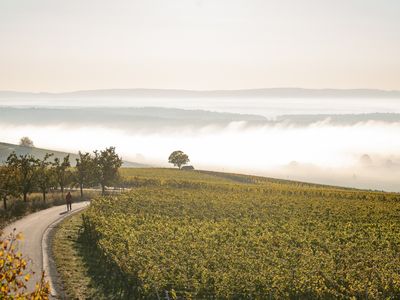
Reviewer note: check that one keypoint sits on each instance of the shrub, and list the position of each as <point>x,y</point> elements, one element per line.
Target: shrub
<point>14,272</point>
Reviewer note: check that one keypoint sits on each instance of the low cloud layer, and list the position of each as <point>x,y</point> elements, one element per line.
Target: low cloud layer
<point>364,154</point>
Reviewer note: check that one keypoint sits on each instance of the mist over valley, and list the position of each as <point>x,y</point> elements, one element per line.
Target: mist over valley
<point>292,138</point>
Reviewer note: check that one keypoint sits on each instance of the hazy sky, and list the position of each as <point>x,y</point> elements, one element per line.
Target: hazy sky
<point>54,45</point>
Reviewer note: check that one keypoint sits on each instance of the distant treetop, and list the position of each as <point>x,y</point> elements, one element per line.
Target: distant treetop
<point>26,142</point>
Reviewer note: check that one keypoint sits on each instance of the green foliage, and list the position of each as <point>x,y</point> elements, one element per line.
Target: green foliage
<point>225,236</point>
<point>178,158</point>
<point>24,174</point>
<point>8,184</point>
<point>25,168</point>
<point>107,165</point>
<point>61,170</point>
<point>45,176</point>
<point>85,171</point>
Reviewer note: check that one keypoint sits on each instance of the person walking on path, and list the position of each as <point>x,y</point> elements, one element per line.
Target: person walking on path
<point>68,198</point>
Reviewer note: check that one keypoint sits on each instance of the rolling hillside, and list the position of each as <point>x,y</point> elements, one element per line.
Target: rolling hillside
<point>6,149</point>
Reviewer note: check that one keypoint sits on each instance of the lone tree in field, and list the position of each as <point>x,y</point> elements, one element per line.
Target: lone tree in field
<point>26,142</point>
<point>107,164</point>
<point>178,158</point>
<point>25,169</point>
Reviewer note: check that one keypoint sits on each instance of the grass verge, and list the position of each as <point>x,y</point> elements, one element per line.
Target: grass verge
<point>81,274</point>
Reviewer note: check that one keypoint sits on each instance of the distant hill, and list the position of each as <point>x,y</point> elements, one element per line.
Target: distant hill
<point>337,119</point>
<point>6,149</point>
<point>252,93</point>
<point>129,117</point>
<point>150,119</point>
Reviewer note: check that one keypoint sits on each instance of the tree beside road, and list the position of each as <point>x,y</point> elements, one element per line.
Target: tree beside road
<point>62,173</point>
<point>25,169</point>
<point>45,176</point>
<point>85,171</point>
<point>107,164</point>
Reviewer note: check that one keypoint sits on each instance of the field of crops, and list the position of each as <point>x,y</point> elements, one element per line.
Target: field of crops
<point>234,236</point>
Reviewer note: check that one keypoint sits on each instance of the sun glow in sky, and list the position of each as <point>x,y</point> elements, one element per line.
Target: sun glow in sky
<point>53,45</point>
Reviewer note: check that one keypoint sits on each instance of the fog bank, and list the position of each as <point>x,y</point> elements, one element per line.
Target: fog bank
<point>364,154</point>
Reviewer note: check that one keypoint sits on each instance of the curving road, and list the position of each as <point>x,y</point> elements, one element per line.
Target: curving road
<point>35,228</point>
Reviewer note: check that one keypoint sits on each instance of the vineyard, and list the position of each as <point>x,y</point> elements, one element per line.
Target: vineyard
<point>189,234</point>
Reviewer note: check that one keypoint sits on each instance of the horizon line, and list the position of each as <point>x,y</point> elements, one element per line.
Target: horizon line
<point>204,90</point>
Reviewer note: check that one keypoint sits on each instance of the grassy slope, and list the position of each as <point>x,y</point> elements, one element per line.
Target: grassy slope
<point>6,149</point>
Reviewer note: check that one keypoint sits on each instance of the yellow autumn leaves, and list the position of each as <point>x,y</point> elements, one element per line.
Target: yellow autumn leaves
<point>14,273</point>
